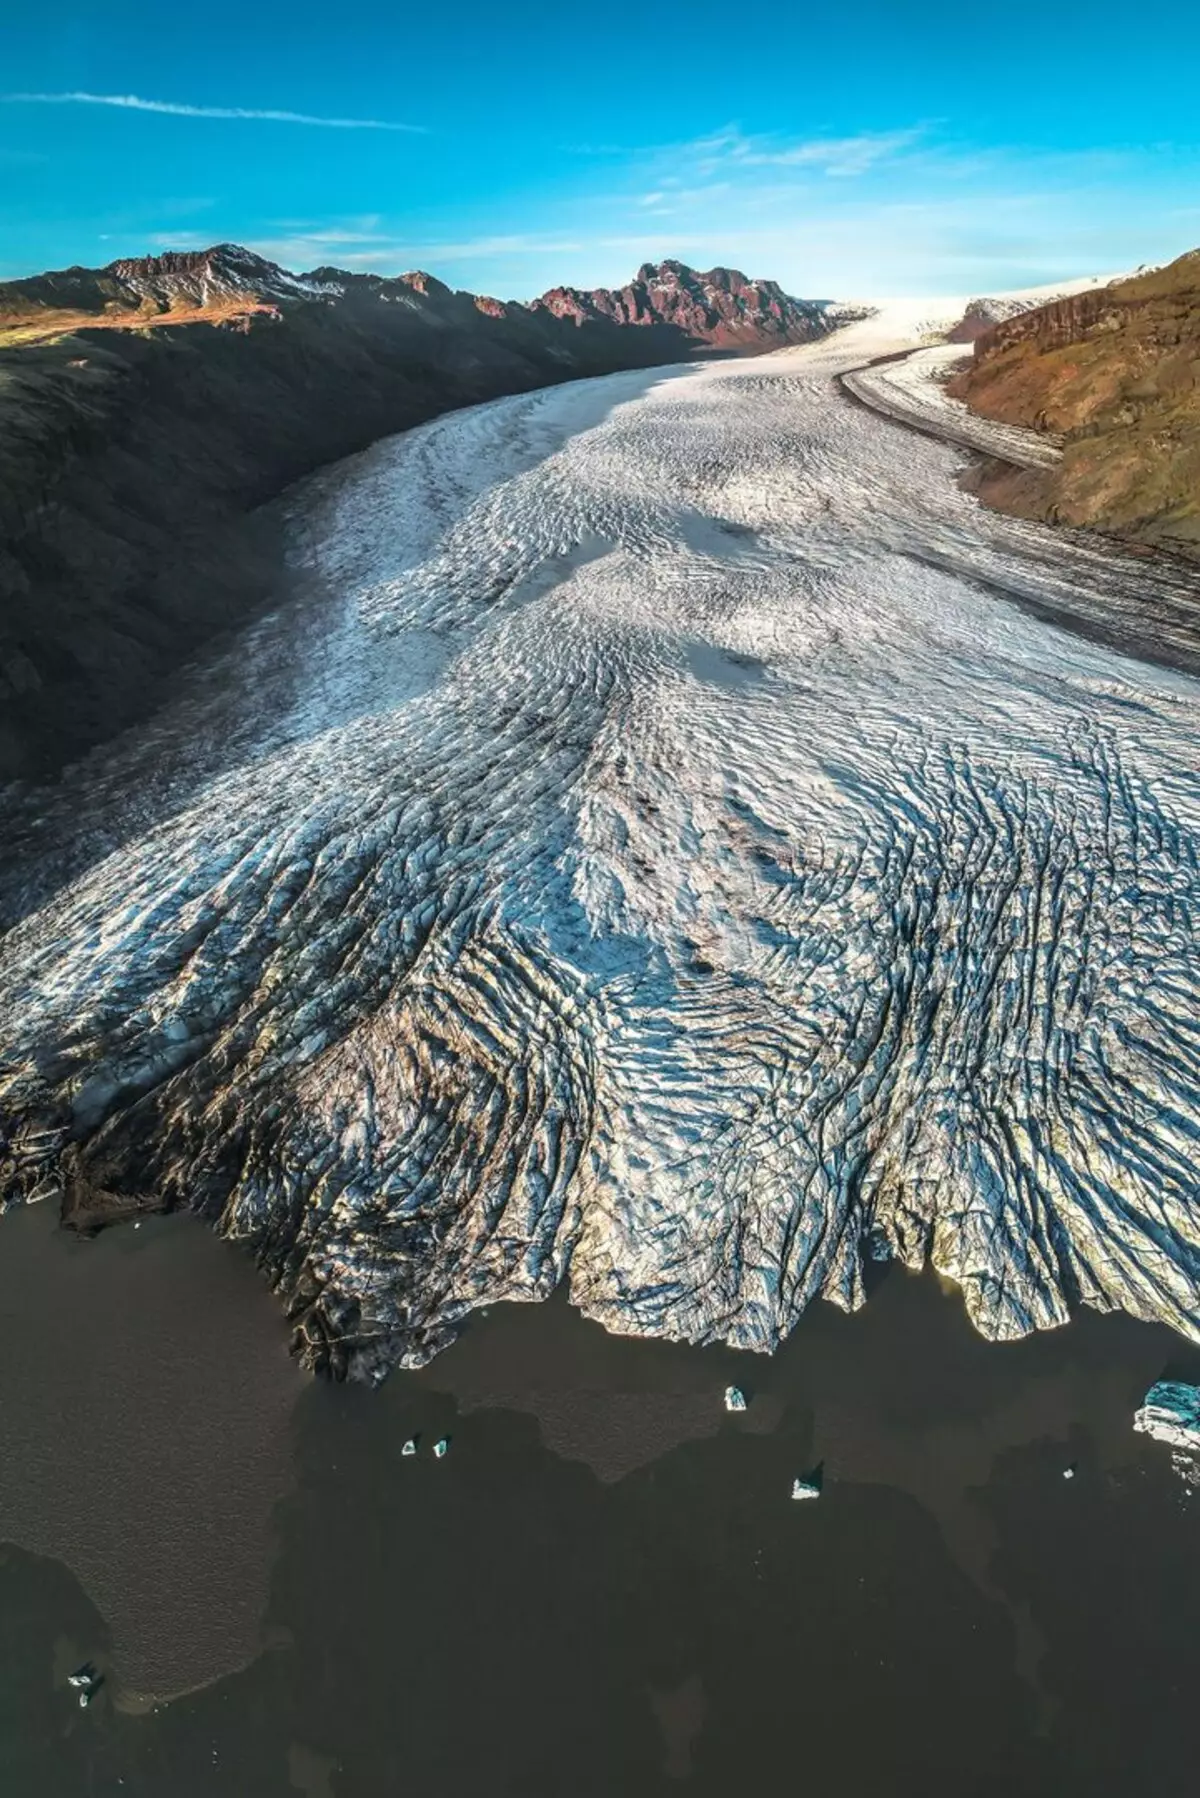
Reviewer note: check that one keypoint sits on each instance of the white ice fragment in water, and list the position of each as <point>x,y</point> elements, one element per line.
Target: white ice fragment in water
<point>1068,1473</point>
<point>805,1489</point>
<point>441,1447</point>
<point>735,1398</point>
<point>1188,1469</point>
<point>1171,1413</point>
<point>410,1447</point>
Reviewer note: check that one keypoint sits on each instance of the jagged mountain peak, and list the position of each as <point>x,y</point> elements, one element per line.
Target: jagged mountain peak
<point>218,279</point>
<point>670,269</point>
<point>720,306</point>
<point>220,257</point>
<point>197,276</point>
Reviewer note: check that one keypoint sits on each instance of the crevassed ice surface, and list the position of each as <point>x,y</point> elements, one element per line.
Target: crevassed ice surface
<point>671,860</point>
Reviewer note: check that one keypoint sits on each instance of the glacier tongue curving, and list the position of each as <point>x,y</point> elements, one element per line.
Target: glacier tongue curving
<point>671,863</point>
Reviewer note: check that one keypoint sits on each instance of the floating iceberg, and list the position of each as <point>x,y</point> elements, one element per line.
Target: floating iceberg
<point>410,1447</point>
<point>735,1398</point>
<point>805,1489</point>
<point>87,1682</point>
<point>1171,1412</point>
<point>441,1447</point>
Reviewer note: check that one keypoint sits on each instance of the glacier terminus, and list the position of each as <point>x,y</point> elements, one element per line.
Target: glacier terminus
<point>686,847</point>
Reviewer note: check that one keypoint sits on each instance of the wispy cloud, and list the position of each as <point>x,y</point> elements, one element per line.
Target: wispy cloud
<point>730,148</point>
<point>829,155</point>
<point>384,254</point>
<point>269,115</point>
<point>293,249</point>
<point>563,257</point>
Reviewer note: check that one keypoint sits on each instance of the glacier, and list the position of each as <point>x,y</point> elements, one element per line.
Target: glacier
<point>674,843</point>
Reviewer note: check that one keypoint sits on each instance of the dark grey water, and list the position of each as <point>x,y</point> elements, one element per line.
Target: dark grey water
<point>605,1588</point>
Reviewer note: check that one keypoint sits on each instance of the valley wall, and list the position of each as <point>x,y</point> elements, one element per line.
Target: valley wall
<point>1114,372</point>
<point>149,410</point>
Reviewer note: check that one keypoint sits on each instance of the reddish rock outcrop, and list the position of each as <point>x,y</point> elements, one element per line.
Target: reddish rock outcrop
<point>719,306</point>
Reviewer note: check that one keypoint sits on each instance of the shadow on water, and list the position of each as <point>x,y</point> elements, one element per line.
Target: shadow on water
<point>146,1409</point>
<point>604,1587</point>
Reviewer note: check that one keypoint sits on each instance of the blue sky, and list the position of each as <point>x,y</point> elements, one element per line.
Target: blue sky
<point>877,149</point>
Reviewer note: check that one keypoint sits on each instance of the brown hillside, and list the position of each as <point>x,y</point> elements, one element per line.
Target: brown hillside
<point>1116,372</point>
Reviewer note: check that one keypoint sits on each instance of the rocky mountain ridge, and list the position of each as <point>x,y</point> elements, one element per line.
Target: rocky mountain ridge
<point>987,312</point>
<point>177,280</point>
<point>719,307</point>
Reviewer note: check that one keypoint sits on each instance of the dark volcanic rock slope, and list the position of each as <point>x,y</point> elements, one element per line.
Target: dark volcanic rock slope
<point>148,407</point>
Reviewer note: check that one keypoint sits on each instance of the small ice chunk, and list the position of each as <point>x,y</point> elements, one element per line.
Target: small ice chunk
<point>1188,1469</point>
<point>1171,1413</point>
<point>410,1447</point>
<point>735,1398</point>
<point>805,1489</point>
<point>83,1676</point>
<point>441,1446</point>
<point>1069,1472</point>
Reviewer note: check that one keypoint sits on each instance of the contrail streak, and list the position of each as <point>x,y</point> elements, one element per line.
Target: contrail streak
<point>133,103</point>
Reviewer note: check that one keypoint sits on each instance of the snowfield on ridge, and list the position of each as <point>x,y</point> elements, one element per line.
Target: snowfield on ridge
<point>683,850</point>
